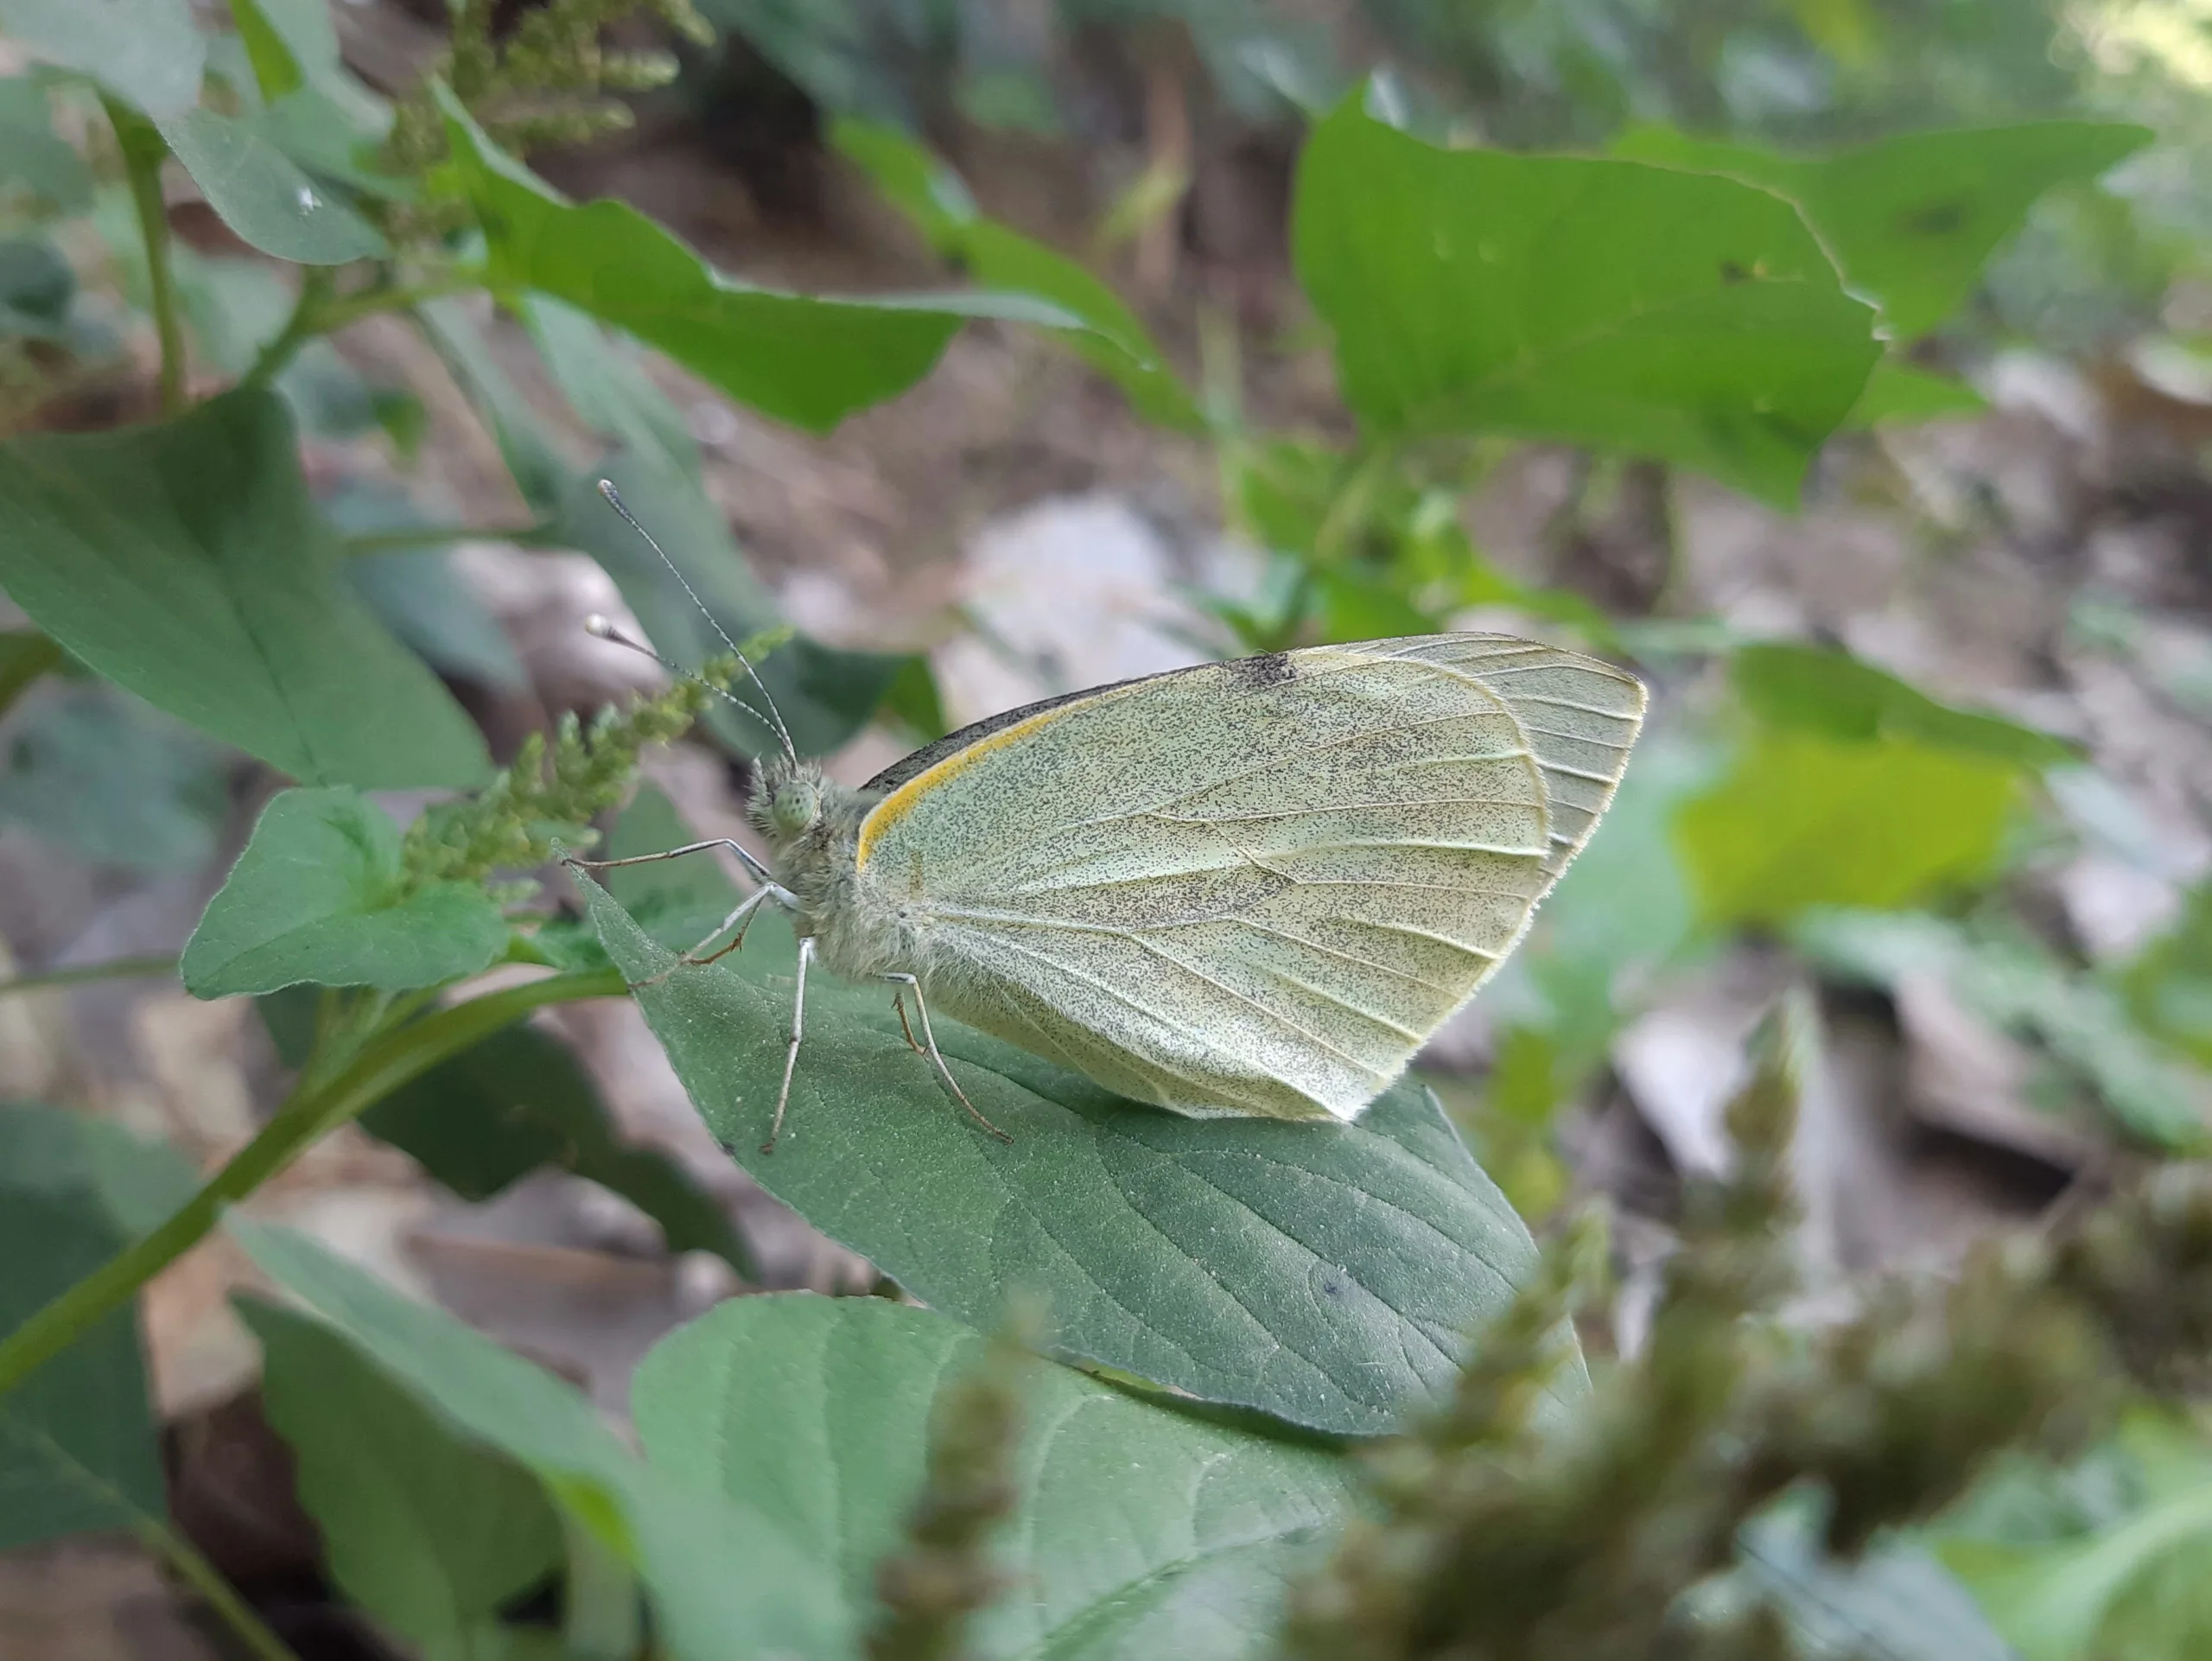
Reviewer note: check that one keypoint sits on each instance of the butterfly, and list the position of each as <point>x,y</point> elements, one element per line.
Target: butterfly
<point>1246,888</point>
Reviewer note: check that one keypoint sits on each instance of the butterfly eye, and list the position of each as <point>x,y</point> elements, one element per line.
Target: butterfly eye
<point>796,806</point>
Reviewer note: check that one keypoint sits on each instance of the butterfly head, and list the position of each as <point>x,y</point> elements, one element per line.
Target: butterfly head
<point>786,799</point>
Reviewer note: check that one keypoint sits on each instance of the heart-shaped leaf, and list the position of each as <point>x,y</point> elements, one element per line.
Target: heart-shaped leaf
<point>726,1583</point>
<point>1326,1274</point>
<point>1911,219</point>
<point>318,897</point>
<point>815,1412</point>
<point>185,562</point>
<point>1634,308</point>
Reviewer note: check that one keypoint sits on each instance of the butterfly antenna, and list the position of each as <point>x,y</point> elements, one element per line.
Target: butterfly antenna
<point>605,628</point>
<point>774,719</point>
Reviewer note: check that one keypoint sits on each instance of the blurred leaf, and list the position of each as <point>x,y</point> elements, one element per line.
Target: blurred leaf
<point>76,1438</point>
<point>1117,344</point>
<point>1896,391</point>
<point>1811,688</point>
<point>726,1583</point>
<point>420,596</point>
<point>2140,1588</point>
<point>913,700</point>
<point>818,1411</point>
<point>106,780</point>
<point>319,897</point>
<point>36,287</point>
<point>1325,1274</point>
<point>1634,308</point>
<point>1912,219</point>
<point>599,374</point>
<point>2020,986</point>
<point>2169,986</point>
<point>805,361</point>
<point>288,41</point>
<point>25,655</point>
<point>148,52</point>
<point>519,1102</point>
<point>31,153</point>
<point>540,471</point>
<point>428,1532</point>
<point>185,562</point>
<point>1803,819</point>
<point>262,194</point>
<point>1897,1603</point>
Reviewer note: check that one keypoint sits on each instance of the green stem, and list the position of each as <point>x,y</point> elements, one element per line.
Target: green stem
<point>318,311</point>
<point>143,151</point>
<point>393,1058</point>
<point>116,969</point>
<point>438,536</point>
<point>304,323</point>
<point>218,1593</point>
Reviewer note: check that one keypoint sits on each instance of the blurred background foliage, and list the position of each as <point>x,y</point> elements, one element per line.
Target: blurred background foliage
<point>1932,690</point>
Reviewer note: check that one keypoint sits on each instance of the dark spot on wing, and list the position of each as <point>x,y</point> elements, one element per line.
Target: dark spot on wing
<point>1273,670</point>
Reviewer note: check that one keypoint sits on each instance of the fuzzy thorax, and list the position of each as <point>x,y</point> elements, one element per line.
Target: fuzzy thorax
<point>813,827</point>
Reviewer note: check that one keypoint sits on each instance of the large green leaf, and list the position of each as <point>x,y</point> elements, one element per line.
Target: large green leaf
<point>290,43</point>
<point>1897,392</point>
<point>727,1584</point>
<point>1803,819</point>
<point>319,898</point>
<point>102,777</point>
<point>810,361</point>
<point>1628,308</point>
<point>427,1530</point>
<point>541,472</point>
<point>1814,690</point>
<point>77,1439</point>
<point>519,1102</point>
<point>185,562</point>
<point>2169,986</point>
<point>263,196</point>
<point>1139,1531</point>
<point>1118,345</point>
<point>1911,219</point>
<point>148,52</point>
<point>32,154</point>
<point>1324,1273</point>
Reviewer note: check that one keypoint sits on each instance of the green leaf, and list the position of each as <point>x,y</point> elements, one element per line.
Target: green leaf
<point>2140,1588</point>
<point>77,1439</point>
<point>1897,1603</point>
<point>25,655</point>
<point>519,1102</point>
<point>1630,308</point>
<point>290,43</point>
<point>319,897</point>
<point>541,472</point>
<point>148,52</point>
<point>262,194</point>
<point>1116,343</point>
<point>36,288</point>
<point>427,1532</point>
<point>1803,819</point>
<point>606,385</point>
<point>1810,688</point>
<point>1323,1273</point>
<point>2169,986</point>
<point>726,1583</point>
<point>825,694</point>
<point>1139,1531</point>
<point>419,594</point>
<point>1896,391</point>
<point>98,773</point>
<point>803,360</point>
<point>1912,219</point>
<point>185,562</point>
<point>31,155</point>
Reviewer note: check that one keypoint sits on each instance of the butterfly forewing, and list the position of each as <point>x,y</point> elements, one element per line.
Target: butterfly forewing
<point>1258,886</point>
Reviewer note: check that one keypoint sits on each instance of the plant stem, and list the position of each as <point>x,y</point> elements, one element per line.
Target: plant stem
<point>393,1058</point>
<point>143,151</point>
<point>321,311</point>
<point>116,969</point>
<point>436,535</point>
<point>315,283</point>
<point>218,1593</point>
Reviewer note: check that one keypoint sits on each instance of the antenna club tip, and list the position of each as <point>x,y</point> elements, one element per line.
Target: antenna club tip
<point>606,489</point>
<point>601,627</point>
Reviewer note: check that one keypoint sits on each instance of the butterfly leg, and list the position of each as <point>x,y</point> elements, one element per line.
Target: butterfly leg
<point>909,984</point>
<point>753,868</point>
<point>740,918</point>
<point>899,1008</point>
<point>790,1055</point>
